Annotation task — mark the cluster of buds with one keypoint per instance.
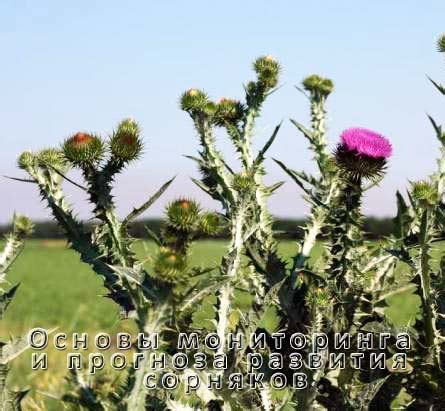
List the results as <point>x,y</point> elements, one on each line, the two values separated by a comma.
<point>317,86</point>
<point>86,150</point>
<point>185,215</point>
<point>362,153</point>
<point>267,70</point>
<point>228,111</point>
<point>49,158</point>
<point>184,222</point>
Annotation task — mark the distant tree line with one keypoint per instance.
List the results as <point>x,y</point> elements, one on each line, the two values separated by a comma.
<point>285,228</point>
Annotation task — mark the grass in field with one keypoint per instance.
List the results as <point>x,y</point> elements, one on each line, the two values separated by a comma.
<point>57,290</point>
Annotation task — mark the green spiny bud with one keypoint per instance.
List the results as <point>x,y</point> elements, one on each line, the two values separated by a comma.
<point>23,226</point>
<point>169,264</point>
<point>441,43</point>
<point>194,100</point>
<point>210,223</point>
<point>82,149</point>
<point>318,297</point>
<point>52,157</point>
<point>318,86</point>
<point>268,70</point>
<point>210,109</point>
<point>126,144</point>
<point>243,182</point>
<point>228,111</point>
<point>26,160</point>
<point>425,193</point>
<point>183,214</point>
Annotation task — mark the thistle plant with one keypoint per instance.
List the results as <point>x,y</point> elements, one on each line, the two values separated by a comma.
<point>361,155</point>
<point>242,194</point>
<point>420,226</point>
<point>184,222</point>
<point>107,248</point>
<point>21,227</point>
<point>332,294</point>
<point>319,192</point>
<point>151,299</point>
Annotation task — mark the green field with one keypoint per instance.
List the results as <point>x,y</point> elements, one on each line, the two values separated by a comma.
<point>57,290</point>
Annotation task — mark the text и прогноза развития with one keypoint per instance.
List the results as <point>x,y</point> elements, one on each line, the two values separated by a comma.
<point>194,360</point>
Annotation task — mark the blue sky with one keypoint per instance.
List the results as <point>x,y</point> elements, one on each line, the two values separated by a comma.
<point>84,65</point>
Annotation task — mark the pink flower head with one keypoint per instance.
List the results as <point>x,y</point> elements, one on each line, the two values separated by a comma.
<point>366,143</point>
<point>362,153</point>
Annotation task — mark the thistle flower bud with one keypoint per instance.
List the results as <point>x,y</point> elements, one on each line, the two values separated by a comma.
<point>362,153</point>
<point>82,149</point>
<point>22,225</point>
<point>318,297</point>
<point>318,86</point>
<point>441,43</point>
<point>126,144</point>
<point>169,264</point>
<point>194,100</point>
<point>210,223</point>
<point>210,109</point>
<point>26,160</point>
<point>228,111</point>
<point>243,182</point>
<point>52,157</point>
<point>183,214</point>
<point>425,193</point>
<point>267,70</point>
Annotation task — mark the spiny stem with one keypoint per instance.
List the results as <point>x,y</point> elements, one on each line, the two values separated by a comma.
<point>424,271</point>
<point>231,266</point>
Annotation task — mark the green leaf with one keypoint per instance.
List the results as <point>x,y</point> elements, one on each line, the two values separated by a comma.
<point>438,86</point>
<point>15,347</point>
<point>138,211</point>
<point>306,132</point>
<point>297,178</point>
<point>263,151</point>
<point>437,129</point>
<point>274,187</point>
<point>197,159</point>
<point>151,234</point>
<point>242,299</point>
<point>402,216</point>
<point>22,180</point>
<point>6,298</point>
<point>205,317</point>
<point>202,186</point>
<point>270,320</point>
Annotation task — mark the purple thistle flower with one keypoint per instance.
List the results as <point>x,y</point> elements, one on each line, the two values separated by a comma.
<point>362,153</point>
<point>366,143</point>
